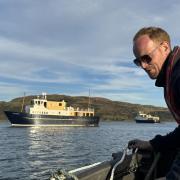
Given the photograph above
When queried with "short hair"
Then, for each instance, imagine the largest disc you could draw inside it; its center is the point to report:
(156, 34)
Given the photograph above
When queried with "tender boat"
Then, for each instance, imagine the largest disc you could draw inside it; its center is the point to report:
(146, 118)
(43, 112)
(140, 165)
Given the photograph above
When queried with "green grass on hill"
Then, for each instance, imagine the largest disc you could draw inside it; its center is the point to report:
(105, 108)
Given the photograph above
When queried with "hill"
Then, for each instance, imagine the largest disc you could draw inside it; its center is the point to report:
(105, 108)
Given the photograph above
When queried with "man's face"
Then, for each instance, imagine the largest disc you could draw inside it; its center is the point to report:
(149, 55)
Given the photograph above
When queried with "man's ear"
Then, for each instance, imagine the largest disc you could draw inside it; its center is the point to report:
(166, 46)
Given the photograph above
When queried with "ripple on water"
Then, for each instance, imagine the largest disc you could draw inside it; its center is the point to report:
(33, 153)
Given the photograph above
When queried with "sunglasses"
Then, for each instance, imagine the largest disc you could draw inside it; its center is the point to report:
(147, 58)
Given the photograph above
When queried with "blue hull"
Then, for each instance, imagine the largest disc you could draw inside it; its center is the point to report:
(146, 121)
(25, 119)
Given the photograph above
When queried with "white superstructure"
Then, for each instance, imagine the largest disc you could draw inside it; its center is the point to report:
(42, 106)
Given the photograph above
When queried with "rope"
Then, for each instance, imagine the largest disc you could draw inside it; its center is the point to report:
(120, 161)
(63, 175)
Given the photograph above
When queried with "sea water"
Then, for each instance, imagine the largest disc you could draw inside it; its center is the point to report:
(29, 153)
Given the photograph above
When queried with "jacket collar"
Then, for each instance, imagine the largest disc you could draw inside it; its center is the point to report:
(161, 79)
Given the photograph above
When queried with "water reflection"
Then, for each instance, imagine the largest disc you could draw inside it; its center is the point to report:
(49, 147)
(33, 152)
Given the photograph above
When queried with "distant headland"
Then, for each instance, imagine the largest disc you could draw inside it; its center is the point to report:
(106, 109)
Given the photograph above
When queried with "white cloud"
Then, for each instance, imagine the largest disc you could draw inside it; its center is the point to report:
(78, 44)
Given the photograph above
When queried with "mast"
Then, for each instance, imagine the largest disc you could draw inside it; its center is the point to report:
(89, 105)
(23, 102)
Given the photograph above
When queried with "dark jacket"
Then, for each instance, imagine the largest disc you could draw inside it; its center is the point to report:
(170, 141)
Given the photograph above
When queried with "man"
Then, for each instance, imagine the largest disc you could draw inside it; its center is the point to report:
(152, 49)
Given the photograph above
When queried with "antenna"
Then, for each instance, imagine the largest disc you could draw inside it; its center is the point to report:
(89, 105)
(44, 95)
(23, 102)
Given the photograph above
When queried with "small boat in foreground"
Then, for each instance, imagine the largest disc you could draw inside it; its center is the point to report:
(146, 118)
(140, 165)
(42, 112)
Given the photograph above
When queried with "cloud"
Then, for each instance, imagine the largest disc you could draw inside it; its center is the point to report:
(71, 46)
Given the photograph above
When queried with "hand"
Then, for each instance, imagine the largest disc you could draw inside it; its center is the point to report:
(136, 143)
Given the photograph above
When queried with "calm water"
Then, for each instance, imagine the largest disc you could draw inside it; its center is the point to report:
(34, 152)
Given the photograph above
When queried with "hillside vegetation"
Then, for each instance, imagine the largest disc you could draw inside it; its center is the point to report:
(105, 108)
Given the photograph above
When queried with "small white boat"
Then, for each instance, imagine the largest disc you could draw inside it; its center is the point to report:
(146, 118)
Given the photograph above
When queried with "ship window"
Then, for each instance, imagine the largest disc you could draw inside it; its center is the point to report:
(45, 104)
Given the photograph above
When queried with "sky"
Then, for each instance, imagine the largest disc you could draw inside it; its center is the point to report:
(73, 46)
